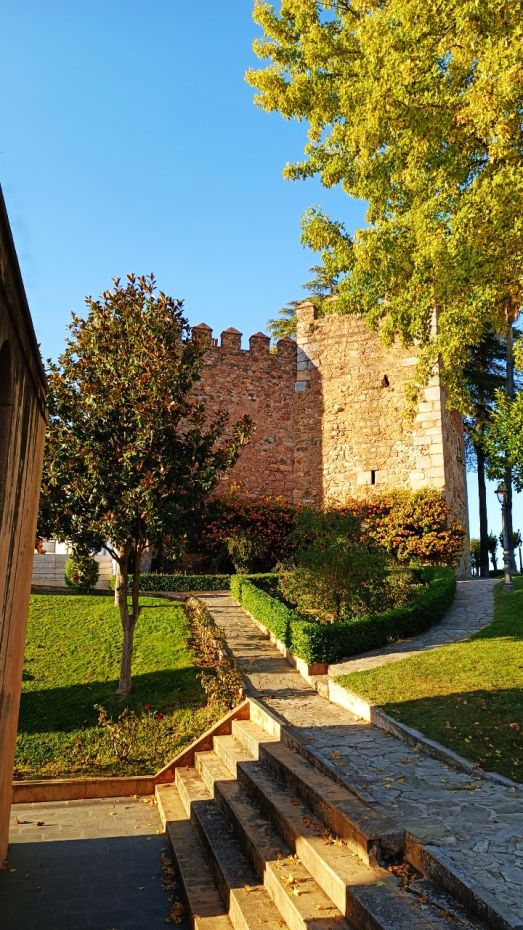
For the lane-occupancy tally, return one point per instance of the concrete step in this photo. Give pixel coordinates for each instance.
(366, 832)
(368, 897)
(202, 898)
(292, 893)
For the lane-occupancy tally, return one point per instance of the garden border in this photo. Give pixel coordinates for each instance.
(374, 713)
(76, 789)
(320, 644)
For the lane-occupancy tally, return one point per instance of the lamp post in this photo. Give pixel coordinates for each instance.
(501, 494)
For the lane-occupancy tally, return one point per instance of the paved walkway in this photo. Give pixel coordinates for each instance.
(476, 825)
(472, 610)
(85, 865)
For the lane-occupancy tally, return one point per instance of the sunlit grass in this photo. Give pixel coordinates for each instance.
(468, 696)
(72, 663)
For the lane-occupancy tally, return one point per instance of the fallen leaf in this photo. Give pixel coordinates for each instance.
(176, 913)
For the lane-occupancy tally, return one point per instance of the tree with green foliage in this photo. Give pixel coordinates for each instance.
(320, 286)
(493, 549)
(503, 440)
(335, 573)
(485, 374)
(130, 452)
(475, 556)
(81, 571)
(416, 109)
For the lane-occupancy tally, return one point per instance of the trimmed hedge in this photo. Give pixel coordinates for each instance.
(151, 582)
(330, 642)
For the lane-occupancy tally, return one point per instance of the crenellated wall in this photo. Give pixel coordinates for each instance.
(258, 382)
(329, 414)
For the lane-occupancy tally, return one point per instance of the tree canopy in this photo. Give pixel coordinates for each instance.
(415, 108)
(130, 450)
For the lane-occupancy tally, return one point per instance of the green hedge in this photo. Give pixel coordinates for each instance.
(151, 582)
(330, 642)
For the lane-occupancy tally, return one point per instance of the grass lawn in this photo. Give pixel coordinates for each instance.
(468, 696)
(72, 663)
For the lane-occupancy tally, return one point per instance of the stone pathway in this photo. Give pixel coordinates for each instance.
(84, 864)
(476, 825)
(472, 610)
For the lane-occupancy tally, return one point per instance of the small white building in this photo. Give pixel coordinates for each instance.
(48, 566)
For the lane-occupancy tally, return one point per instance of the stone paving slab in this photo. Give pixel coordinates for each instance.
(476, 825)
(473, 609)
(85, 865)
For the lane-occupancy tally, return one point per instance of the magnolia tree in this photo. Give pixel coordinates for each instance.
(130, 451)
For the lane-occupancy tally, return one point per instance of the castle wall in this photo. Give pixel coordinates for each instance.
(329, 415)
(352, 436)
(260, 383)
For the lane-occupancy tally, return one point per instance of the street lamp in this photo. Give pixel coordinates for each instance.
(501, 494)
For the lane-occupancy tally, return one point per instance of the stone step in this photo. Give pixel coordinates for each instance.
(289, 895)
(369, 834)
(202, 898)
(413, 846)
(246, 901)
(368, 897)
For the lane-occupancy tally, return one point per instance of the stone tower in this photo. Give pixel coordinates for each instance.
(351, 436)
(329, 415)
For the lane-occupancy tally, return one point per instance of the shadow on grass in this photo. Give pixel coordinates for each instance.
(484, 726)
(71, 707)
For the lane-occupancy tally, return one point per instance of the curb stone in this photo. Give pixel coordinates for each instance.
(372, 713)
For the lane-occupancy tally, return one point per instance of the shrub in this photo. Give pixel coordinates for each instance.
(330, 642)
(245, 550)
(268, 609)
(336, 574)
(81, 571)
(121, 732)
(268, 520)
(223, 685)
(411, 526)
(174, 583)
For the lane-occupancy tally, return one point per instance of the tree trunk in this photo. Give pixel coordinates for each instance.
(124, 686)
(121, 593)
(136, 585)
(483, 569)
(508, 471)
(116, 582)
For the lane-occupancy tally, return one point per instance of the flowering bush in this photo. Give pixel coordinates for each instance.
(81, 571)
(411, 526)
(268, 521)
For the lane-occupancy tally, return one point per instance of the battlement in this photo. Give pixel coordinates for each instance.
(231, 342)
(328, 413)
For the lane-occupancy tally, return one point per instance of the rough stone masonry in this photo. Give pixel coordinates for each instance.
(329, 414)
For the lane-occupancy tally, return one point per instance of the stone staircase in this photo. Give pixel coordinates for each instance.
(263, 839)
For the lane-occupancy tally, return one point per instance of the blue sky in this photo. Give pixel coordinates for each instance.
(129, 142)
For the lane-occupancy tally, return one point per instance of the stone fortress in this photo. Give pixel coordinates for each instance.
(329, 422)
(329, 415)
